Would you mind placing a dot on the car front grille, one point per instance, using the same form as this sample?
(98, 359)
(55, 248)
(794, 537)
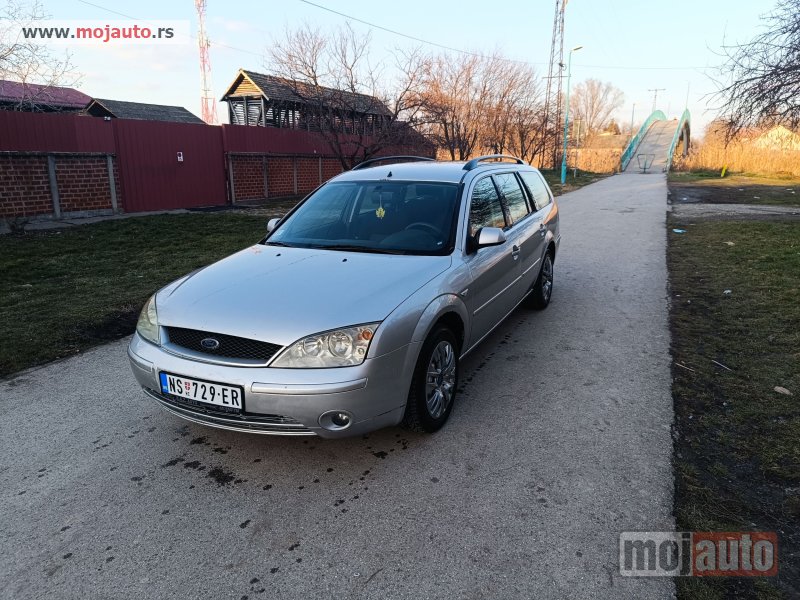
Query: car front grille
(229, 346)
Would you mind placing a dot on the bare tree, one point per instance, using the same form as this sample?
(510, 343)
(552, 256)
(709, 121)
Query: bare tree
(515, 96)
(761, 78)
(456, 101)
(341, 94)
(478, 103)
(593, 102)
(26, 62)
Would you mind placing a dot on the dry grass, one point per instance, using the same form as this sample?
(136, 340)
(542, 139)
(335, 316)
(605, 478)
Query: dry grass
(596, 160)
(738, 156)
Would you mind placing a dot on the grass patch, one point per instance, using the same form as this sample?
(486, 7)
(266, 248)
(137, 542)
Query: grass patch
(66, 291)
(737, 449)
(582, 178)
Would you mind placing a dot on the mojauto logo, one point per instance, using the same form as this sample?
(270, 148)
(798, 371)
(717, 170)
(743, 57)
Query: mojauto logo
(698, 554)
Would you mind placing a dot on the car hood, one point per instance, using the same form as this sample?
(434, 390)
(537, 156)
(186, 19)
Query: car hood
(280, 295)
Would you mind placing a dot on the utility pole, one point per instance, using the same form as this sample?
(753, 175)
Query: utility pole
(552, 97)
(566, 117)
(655, 96)
(208, 102)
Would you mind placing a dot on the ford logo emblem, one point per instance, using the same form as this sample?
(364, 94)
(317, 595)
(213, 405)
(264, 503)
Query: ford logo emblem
(209, 343)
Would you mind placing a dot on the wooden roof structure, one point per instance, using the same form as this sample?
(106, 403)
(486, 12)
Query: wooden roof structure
(271, 101)
(121, 109)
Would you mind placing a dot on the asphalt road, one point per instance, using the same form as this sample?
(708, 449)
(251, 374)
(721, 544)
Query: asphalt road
(559, 441)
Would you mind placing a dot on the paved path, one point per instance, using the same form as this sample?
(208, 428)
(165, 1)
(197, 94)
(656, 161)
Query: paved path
(560, 440)
(656, 145)
(703, 210)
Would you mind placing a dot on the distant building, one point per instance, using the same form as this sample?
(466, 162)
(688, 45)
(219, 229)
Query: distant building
(269, 101)
(121, 109)
(778, 138)
(30, 97)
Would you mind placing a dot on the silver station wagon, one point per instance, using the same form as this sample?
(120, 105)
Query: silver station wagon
(355, 310)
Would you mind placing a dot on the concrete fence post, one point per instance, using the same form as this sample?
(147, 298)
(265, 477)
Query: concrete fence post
(112, 184)
(230, 180)
(51, 171)
(266, 175)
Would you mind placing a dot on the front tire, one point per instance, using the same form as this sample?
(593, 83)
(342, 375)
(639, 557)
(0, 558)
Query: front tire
(543, 288)
(434, 384)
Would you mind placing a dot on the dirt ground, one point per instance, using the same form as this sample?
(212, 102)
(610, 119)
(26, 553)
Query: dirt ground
(733, 197)
(687, 188)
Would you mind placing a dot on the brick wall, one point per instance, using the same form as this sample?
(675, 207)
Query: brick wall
(331, 167)
(307, 174)
(280, 177)
(24, 186)
(248, 175)
(83, 183)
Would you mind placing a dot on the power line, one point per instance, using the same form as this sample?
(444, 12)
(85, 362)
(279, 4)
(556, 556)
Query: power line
(467, 52)
(411, 37)
(633, 68)
(407, 36)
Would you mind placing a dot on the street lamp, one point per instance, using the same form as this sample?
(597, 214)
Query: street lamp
(566, 118)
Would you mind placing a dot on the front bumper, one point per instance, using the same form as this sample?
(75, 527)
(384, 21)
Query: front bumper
(286, 401)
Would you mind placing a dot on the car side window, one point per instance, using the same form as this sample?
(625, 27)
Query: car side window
(485, 208)
(537, 188)
(515, 198)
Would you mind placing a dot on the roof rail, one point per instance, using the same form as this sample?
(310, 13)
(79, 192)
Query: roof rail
(476, 161)
(366, 163)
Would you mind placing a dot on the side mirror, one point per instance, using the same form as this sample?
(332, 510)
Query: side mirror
(272, 224)
(489, 236)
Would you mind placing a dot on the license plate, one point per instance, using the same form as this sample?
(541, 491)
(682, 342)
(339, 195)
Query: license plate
(202, 391)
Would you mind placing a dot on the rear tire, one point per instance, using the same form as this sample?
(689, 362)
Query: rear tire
(542, 291)
(434, 384)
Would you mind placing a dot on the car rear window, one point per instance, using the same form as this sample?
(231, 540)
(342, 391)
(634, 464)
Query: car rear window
(515, 197)
(537, 188)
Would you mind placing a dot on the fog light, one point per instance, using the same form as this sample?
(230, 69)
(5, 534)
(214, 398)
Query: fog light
(336, 420)
(340, 419)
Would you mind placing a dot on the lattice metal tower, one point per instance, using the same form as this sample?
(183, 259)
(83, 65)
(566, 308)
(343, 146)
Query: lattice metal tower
(552, 100)
(208, 103)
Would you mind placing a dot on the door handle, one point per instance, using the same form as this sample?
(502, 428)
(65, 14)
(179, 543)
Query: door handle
(515, 252)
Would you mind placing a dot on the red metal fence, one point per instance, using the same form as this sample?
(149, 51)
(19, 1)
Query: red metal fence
(169, 165)
(92, 166)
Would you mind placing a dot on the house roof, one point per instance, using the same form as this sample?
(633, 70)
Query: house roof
(122, 109)
(285, 90)
(778, 138)
(45, 95)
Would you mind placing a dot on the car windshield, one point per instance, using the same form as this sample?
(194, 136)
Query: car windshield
(403, 217)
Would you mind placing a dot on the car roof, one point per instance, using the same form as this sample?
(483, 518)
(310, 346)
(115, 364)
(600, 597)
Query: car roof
(444, 171)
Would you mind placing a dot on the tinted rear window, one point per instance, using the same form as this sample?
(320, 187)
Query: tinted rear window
(537, 188)
(515, 197)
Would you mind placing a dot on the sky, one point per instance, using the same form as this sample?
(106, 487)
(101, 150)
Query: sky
(636, 46)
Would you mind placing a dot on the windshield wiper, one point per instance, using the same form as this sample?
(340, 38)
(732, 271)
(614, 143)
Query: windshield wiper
(268, 243)
(354, 248)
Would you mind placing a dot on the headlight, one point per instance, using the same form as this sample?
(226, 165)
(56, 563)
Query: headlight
(340, 348)
(147, 326)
